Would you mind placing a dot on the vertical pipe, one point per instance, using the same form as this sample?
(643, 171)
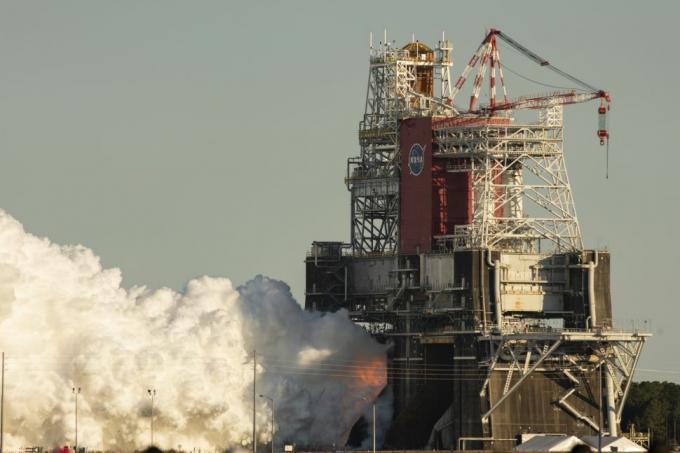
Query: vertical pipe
(599, 410)
(611, 405)
(496, 265)
(591, 290)
(272, 425)
(407, 338)
(591, 294)
(373, 428)
(77, 392)
(151, 419)
(497, 293)
(480, 286)
(152, 394)
(254, 393)
(345, 287)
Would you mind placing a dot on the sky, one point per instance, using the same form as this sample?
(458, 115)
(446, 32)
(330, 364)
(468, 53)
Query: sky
(178, 138)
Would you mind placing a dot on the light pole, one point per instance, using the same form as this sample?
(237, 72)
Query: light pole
(254, 401)
(2, 402)
(76, 392)
(152, 394)
(366, 399)
(374, 427)
(271, 400)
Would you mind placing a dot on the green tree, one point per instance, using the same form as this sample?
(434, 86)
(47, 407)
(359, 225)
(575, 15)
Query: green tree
(655, 406)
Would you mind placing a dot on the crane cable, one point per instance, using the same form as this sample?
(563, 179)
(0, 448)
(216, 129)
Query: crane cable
(542, 61)
(519, 49)
(528, 79)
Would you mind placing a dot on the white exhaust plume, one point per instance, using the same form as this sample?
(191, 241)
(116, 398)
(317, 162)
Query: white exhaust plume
(65, 322)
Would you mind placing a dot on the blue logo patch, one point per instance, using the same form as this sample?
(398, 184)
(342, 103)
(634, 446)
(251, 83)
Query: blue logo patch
(416, 159)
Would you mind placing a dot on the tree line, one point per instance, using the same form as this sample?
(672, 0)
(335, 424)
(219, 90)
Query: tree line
(653, 406)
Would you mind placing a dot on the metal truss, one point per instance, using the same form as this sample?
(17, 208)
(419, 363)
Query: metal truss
(575, 357)
(373, 176)
(620, 359)
(375, 215)
(522, 196)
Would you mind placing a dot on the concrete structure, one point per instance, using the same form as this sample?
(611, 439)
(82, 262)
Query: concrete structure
(466, 255)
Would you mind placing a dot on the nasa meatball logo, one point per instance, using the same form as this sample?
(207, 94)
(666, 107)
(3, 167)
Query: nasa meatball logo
(416, 159)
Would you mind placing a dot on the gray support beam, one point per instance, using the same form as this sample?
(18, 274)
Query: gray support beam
(638, 350)
(482, 393)
(485, 417)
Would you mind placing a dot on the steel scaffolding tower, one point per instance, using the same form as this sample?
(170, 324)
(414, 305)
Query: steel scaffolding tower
(395, 91)
(467, 257)
(522, 197)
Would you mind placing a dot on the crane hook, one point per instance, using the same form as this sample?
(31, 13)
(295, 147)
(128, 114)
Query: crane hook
(602, 132)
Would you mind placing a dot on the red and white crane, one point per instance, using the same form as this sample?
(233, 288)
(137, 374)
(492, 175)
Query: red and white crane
(487, 55)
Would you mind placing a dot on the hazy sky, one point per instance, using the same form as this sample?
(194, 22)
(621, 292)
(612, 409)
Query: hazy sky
(181, 138)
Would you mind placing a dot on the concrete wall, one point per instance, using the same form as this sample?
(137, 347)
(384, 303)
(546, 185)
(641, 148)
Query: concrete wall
(437, 272)
(371, 275)
(532, 407)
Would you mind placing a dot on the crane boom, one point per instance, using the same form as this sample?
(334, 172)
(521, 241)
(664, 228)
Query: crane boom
(487, 54)
(544, 101)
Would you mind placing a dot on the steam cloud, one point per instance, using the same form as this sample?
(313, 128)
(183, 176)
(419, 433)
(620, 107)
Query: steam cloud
(66, 322)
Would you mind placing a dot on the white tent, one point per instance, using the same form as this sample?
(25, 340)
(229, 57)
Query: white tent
(610, 443)
(549, 442)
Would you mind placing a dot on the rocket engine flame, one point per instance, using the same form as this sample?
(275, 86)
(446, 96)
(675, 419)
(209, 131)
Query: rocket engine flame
(67, 322)
(374, 373)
